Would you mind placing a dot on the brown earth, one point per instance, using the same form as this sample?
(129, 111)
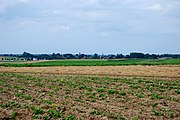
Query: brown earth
(88, 97)
(144, 71)
(152, 92)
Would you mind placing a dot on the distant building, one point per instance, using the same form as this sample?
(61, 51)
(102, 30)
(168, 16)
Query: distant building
(34, 59)
(4, 59)
(165, 58)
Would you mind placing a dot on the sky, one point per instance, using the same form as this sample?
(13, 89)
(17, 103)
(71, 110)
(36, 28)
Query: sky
(90, 26)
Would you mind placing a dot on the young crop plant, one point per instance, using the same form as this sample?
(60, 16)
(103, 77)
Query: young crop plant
(173, 87)
(93, 100)
(96, 112)
(177, 91)
(135, 118)
(162, 90)
(10, 104)
(37, 110)
(129, 82)
(155, 104)
(122, 93)
(48, 101)
(54, 114)
(139, 81)
(131, 92)
(6, 85)
(70, 117)
(102, 95)
(115, 116)
(156, 113)
(47, 117)
(82, 87)
(13, 115)
(149, 87)
(100, 89)
(93, 95)
(139, 95)
(90, 89)
(17, 87)
(156, 96)
(112, 91)
(25, 96)
(36, 117)
(135, 86)
(2, 90)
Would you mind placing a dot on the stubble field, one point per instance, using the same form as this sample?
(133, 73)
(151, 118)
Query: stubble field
(90, 92)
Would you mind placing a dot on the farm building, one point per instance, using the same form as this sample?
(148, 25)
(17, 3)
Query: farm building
(2, 58)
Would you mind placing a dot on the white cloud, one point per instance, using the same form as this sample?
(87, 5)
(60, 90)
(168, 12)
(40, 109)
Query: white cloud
(56, 12)
(66, 28)
(96, 16)
(56, 29)
(23, 1)
(27, 23)
(49, 12)
(156, 7)
(93, 1)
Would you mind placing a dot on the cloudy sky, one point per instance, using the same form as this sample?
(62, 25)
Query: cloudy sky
(89, 26)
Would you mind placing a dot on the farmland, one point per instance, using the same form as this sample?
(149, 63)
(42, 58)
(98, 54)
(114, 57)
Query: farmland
(49, 96)
(144, 71)
(93, 62)
(90, 90)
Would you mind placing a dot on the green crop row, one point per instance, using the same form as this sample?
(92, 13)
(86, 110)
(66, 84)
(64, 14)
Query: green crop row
(94, 63)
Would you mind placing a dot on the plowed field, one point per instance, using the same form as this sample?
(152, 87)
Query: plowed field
(90, 93)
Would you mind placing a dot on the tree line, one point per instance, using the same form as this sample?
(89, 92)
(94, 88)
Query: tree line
(52, 56)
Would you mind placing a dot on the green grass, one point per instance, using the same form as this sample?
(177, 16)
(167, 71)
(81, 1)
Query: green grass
(95, 63)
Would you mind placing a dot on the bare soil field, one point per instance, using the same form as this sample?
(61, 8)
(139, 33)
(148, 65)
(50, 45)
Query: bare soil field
(145, 71)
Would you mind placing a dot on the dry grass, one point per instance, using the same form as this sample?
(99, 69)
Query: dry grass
(149, 71)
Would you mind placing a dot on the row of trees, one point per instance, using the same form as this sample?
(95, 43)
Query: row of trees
(30, 56)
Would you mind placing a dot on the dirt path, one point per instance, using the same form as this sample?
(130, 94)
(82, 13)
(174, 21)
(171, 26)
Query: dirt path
(149, 71)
